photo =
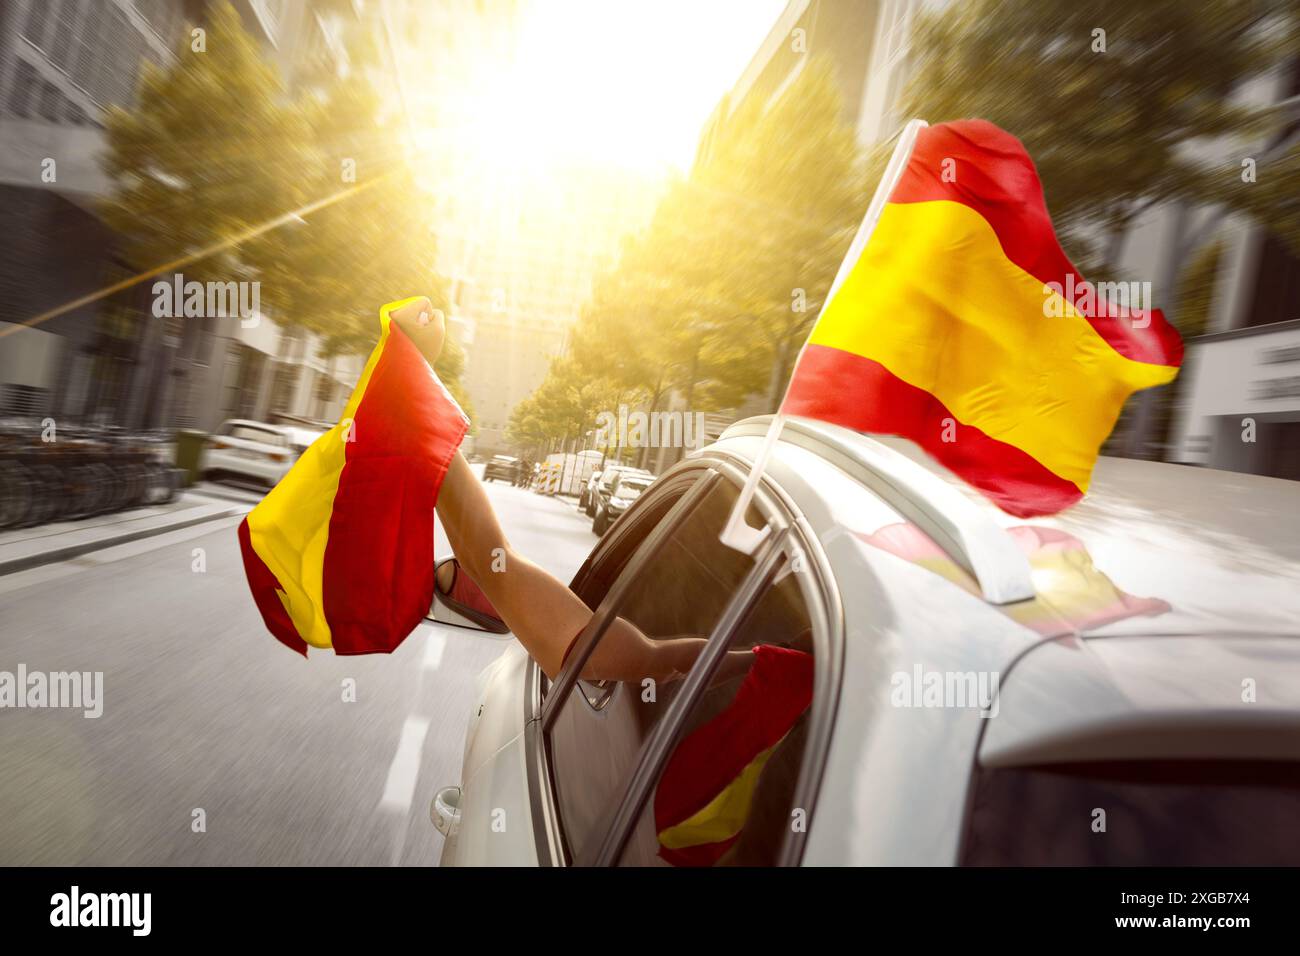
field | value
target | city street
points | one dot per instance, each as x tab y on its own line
204	711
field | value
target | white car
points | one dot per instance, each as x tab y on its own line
251	451
932	681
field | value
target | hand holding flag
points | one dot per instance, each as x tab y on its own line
340	553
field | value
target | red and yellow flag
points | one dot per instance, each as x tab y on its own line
340	553
704	796
963	327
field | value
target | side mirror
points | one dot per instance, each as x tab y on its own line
457	600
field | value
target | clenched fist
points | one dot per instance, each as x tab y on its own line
424	325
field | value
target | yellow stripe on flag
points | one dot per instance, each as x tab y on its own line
934	299
290	526
724	815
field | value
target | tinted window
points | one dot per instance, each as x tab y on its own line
681	592
1166	813
726	794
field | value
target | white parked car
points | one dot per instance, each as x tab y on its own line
251	451
933	681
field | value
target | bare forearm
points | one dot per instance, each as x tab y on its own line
541	612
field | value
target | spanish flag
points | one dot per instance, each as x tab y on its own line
963	327
340	553
707	789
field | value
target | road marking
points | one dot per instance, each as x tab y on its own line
405	768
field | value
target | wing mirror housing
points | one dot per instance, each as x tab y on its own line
458	600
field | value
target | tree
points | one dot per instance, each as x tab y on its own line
721	289
1106	95
1111	99
216	148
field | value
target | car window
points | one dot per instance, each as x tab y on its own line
630	488
681	591
251	433
725	795
1157	812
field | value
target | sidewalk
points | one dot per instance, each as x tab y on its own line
24	548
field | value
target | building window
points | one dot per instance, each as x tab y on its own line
89	47
23	95
63	37
37	20
51	100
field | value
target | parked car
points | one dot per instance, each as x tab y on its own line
603	488
301	438
248	450
981	687
500	468
585	492
626	488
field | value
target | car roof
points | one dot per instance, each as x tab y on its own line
1199	572
1071	700
248	422
1207	551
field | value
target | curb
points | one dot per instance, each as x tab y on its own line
67	552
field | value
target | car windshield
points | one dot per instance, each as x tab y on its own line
629	489
252	433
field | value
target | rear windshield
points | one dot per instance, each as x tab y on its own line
252	433
1129	813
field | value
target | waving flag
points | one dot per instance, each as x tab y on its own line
340	553
963	327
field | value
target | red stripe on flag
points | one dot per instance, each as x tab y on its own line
378	573
988	169
847	389
775	692
264	585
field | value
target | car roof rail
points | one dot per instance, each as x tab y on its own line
961	527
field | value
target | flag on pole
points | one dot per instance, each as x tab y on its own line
340	553
962	326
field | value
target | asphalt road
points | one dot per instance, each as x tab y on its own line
204	711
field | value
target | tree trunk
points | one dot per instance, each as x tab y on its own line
654	407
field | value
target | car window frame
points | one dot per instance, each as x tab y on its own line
821	595
792	539
691	481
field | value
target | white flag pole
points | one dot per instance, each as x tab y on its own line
738	534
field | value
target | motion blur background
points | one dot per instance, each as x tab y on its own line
615	203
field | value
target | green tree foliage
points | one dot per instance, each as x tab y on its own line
1107	96
715	296
217	147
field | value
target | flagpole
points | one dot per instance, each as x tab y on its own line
738	534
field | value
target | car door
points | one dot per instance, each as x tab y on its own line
614	778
